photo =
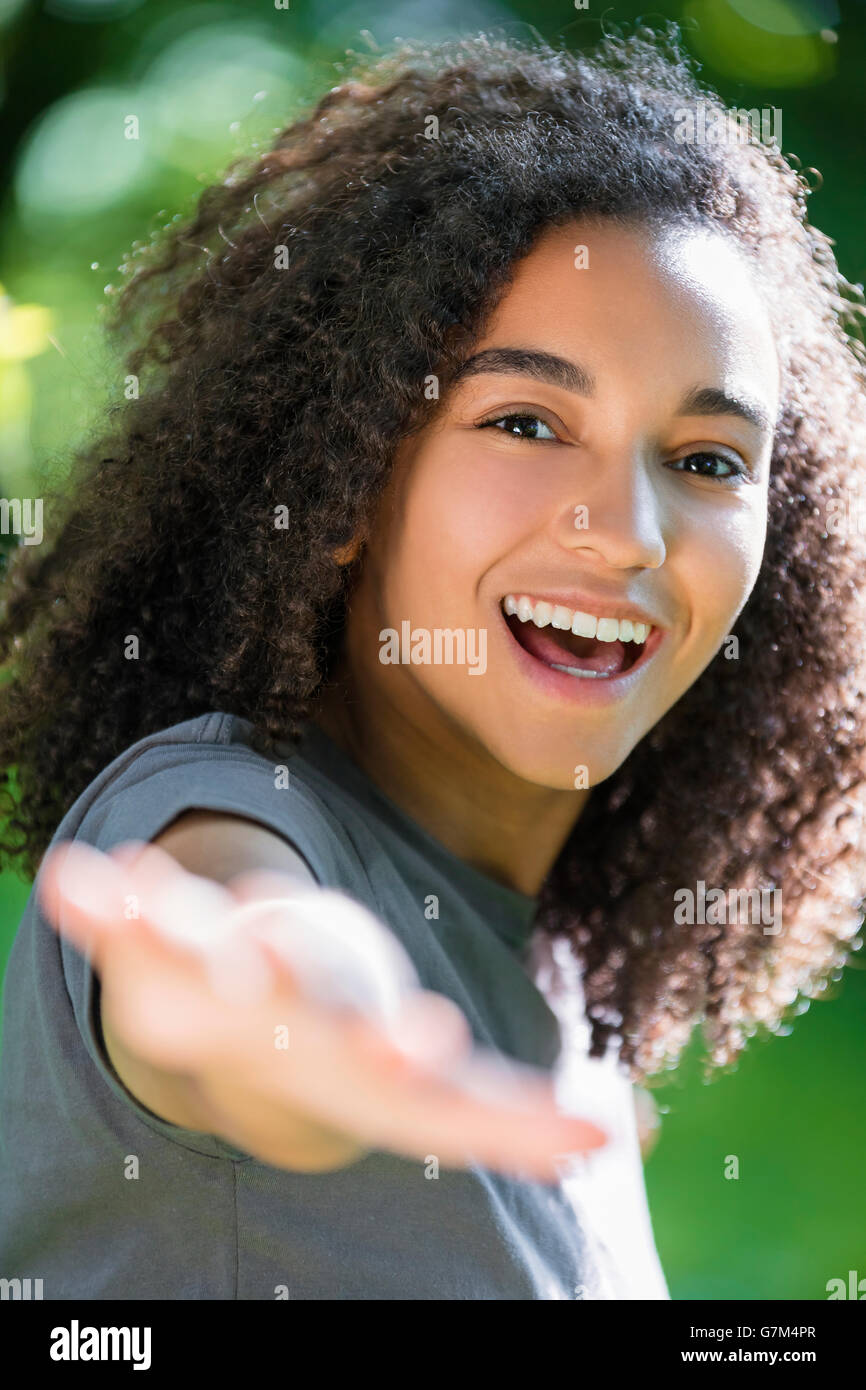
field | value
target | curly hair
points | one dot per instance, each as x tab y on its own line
282	333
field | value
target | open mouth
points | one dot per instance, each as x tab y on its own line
547	632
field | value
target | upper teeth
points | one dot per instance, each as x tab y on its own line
573	620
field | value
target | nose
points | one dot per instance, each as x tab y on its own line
616	516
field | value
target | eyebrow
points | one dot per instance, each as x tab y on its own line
571	376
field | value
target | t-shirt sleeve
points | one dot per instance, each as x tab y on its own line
138	804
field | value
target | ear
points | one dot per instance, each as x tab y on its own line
346	554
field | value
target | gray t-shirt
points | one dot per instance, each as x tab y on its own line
196	1218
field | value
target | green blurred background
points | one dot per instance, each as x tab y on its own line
210	81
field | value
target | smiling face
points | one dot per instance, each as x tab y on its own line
602	461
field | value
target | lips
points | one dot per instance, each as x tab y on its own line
575	671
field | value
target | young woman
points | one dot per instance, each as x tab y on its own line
457	610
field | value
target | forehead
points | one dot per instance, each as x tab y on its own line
677	299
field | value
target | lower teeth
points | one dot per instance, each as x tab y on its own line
576	671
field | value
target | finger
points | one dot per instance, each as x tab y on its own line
81	892
97	898
487	1112
197	917
152	933
147	995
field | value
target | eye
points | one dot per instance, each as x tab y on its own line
704	463
520	425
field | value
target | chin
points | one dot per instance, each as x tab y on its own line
553	766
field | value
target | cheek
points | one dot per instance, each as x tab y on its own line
720	566
451	524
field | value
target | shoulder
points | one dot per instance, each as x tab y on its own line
201	789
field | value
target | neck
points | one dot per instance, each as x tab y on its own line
509	829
